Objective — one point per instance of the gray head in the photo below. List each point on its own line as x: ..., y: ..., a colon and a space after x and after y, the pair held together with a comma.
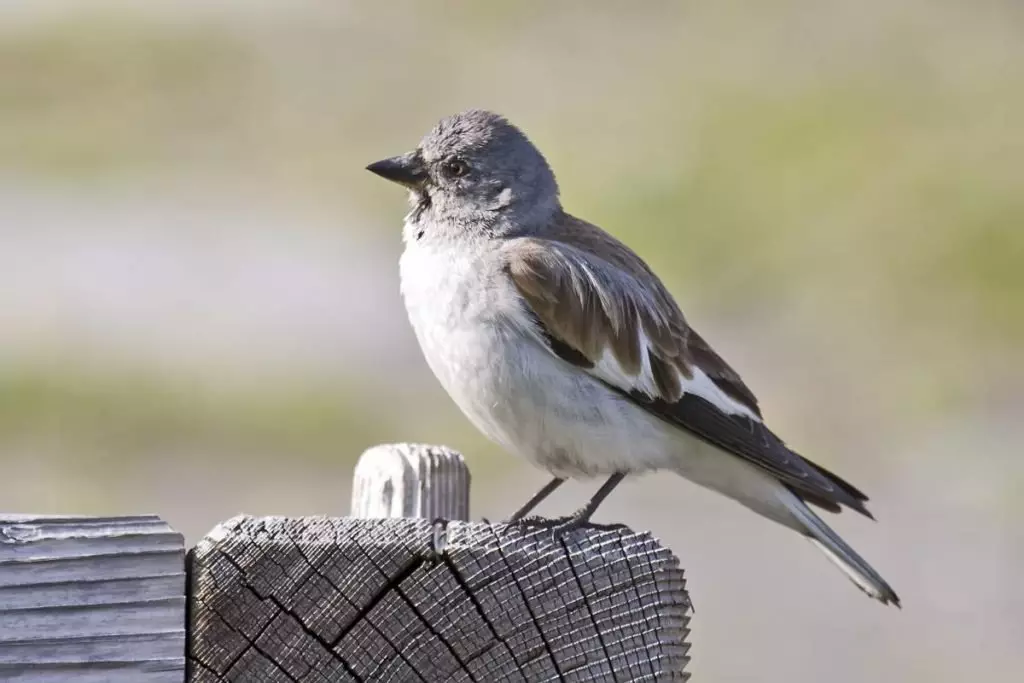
x: 478, y: 170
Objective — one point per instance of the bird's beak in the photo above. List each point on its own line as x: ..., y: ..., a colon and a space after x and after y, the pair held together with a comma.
x: 405, y: 170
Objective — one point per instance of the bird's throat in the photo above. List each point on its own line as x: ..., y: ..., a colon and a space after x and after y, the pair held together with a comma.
x: 421, y: 202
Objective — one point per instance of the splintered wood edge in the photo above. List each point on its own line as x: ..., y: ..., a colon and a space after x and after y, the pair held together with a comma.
x: 644, y: 630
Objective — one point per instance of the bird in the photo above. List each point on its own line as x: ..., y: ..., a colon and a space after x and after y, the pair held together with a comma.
x: 560, y: 344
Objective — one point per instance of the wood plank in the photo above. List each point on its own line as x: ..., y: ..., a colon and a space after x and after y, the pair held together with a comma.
x: 91, y: 600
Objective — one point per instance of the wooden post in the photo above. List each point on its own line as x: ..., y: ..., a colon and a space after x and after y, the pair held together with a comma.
x: 411, y: 480
x: 91, y: 600
x: 400, y: 599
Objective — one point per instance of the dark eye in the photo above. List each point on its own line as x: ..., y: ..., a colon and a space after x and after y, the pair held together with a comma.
x: 455, y: 168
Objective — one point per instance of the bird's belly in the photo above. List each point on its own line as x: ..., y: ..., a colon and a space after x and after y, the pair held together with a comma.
x: 516, y: 392
x: 540, y: 408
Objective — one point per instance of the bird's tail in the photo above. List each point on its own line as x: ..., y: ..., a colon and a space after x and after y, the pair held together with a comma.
x: 842, y: 555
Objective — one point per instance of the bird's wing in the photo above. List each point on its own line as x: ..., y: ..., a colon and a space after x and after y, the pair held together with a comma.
x: 596, y: 305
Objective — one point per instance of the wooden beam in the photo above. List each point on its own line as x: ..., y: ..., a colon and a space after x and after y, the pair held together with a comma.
x: 91, y: 600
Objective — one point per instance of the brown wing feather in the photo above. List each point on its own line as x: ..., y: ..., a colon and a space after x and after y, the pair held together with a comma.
x: 560, y: 282
x: 587, y: 293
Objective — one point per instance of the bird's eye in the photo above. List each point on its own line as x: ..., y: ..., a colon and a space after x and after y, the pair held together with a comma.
x: 455, y: 168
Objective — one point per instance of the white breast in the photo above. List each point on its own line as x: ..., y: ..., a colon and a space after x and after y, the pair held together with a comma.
x: 470, y: 324
x: 455, y: 304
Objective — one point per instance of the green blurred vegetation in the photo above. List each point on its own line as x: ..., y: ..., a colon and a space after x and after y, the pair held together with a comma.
x: 861, y: 164
x: 108, y: 412
x: 98, y: 93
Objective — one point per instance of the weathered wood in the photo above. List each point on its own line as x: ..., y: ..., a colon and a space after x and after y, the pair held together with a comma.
x: 411, y: 480
x: 341, y: 599
x: 91, y: 600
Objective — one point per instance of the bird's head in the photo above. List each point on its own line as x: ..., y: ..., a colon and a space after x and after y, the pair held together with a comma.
x: 475, y: 167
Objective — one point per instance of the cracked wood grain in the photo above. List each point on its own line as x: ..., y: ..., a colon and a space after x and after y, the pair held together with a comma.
x: 91, y: 600
x: 322, y: 599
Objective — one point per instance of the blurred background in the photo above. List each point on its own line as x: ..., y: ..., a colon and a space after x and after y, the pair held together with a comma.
x: 199, y: 308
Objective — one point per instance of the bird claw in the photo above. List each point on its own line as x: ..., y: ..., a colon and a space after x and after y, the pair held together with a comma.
x: 560, y: 526
x: 536, y: 521
x: 568, y: 526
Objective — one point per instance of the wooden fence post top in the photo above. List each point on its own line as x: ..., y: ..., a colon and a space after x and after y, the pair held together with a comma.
x: 279, y: 599
x: 411, y: 480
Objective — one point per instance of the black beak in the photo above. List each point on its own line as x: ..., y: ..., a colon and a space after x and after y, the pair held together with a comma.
x: 405, y: 170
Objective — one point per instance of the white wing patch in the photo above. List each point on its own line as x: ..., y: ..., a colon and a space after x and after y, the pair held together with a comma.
x: 701, y: 385
x: 609, y: 370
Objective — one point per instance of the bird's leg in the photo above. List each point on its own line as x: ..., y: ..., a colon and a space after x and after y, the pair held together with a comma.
x: 583, y: 515
x: 535, y: 501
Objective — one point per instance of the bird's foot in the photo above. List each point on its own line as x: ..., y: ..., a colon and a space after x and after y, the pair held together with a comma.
x: 568, y: 525
x: 560, y: 526
x: 536, y: 521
